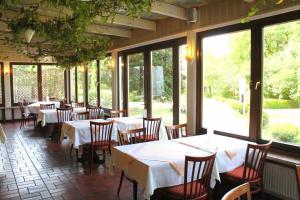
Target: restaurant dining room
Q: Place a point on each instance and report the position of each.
(150, 99)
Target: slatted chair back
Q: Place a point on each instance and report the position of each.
(101, 133)
(118, 113)
(176, 131)
(64, 114)
(132, 136)
(255, 160)
(21, 105)
(83, 115)
(79, 105)
(238, 192)
(298, 177)
(197, 176)
(94, 112)
(50, 106)
(152, 126)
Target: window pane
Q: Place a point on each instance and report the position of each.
(73, 84)
(105, 83)
(25, 83)
(136, 84)
(92, 83)
(162, 84)
(53, 82)
(281, 81)
(226, 75)
(80, 83)
(183, 84)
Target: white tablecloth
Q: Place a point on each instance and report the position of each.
(50, 116)
(126, 123)
(35, 107)
(155, 170)
(79, 131)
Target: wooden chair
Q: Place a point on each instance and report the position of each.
(63, 115)
(298, 177)
(252, 169)
(94, 112)
(176, 131)
(197, 175)
(117, 113)
(100, 139)
(50, 106)
(152, 126)
(79, 105)
(130, 137)
(25, 117)
(238, 192)
(83, 115)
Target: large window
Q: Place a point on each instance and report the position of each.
(226, 78)
(162, 84)
(106, 83)
(281, 82)
(25, 82)
(183, 83)
(136, 84)
(92, 83)
(53, 82)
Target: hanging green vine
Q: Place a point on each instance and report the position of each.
(64, 37)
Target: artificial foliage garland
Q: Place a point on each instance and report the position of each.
(64, 36)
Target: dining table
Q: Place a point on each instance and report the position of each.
(50, 116)
(160, 163)
(35, 107)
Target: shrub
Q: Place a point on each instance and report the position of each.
(237, 106)
(280, 104)
(265, 119)
(285, 132)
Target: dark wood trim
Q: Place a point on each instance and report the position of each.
(2, 84)
(40, 82)
(125, 83)
(199, 86)
(65, 84)
(147, 82)
(69, 84)
(98, 83)
(76, 84)
(176, 84)
(86, 85)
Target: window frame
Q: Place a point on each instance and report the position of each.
(2, 84)
(256, 27)
(39, 79)
(146, 50)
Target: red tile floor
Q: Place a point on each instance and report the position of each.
(34, 167)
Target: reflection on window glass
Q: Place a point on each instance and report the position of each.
(281, 81)
(162, 84)
(53, 82)
(25, 83)
(92, 83)
(136, 84)
(80, 83)
(226, 75)
(183, 84)
(105, 83)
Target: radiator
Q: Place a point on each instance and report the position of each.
(280, 181)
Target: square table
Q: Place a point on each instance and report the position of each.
(50, 116)
(35, 107)
(160, 163)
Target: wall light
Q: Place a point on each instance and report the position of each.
(6, 70)
(82, 69)
(188, 53)
(110, 64)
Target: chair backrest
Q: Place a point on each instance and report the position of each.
(64, 114)
(101, 132)
(47, 106)
(238, 192)
(298, 177)
(131, 136)
(197, 175)
(62, 104)
(152, 126)
(83, 115)
(176, 131)
(21, 105)
(94, 112)
(79, 105)
(118, 113)
(255, 160)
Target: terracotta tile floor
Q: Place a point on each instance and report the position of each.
(33, 167)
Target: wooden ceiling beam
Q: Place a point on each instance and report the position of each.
(169, 10)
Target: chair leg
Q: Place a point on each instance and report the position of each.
(135, 190)
(76, 150)
(91, 160)
(71, 150)
(121, 180)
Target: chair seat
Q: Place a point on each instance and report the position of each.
(102, 145)
(149, 137)
(177, 192)
(238, 174)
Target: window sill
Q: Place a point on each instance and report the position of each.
(283, 159)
